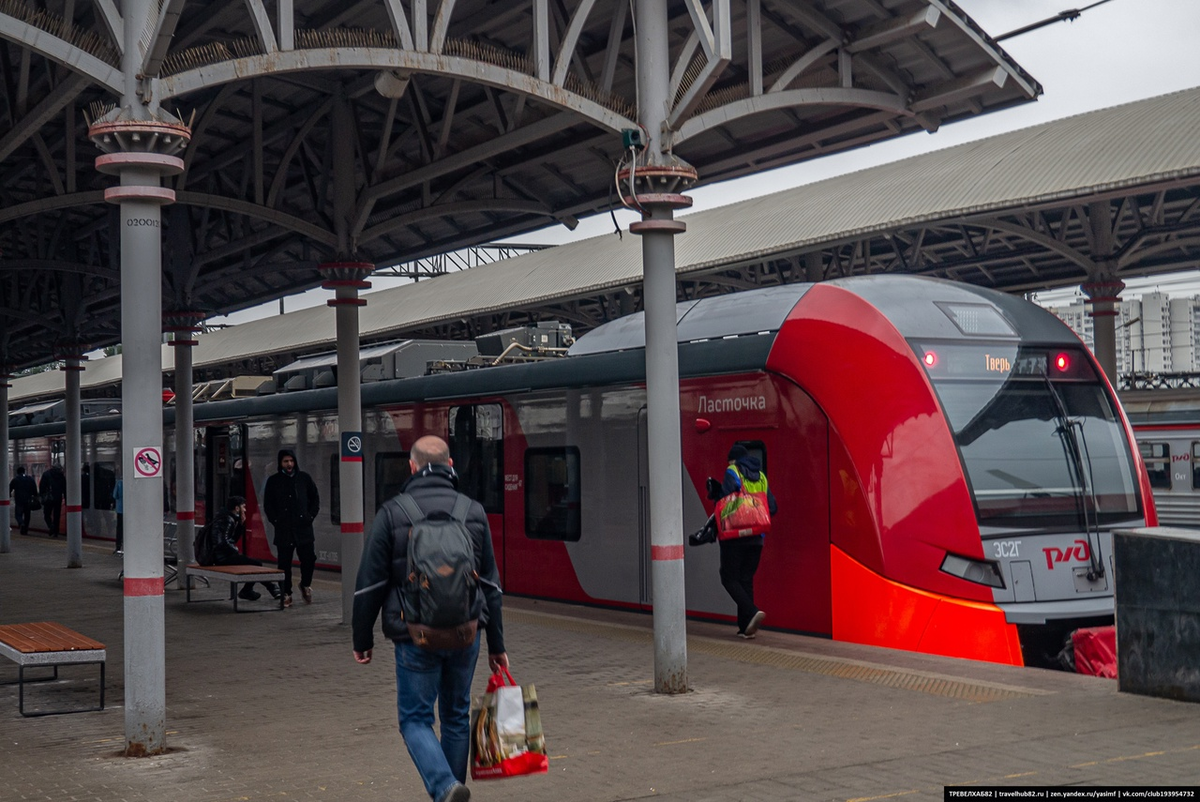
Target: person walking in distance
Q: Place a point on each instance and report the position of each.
(740, 555)
(427, 676)
(227, 528)
(291, 503)
(24, 493)
(53, 487)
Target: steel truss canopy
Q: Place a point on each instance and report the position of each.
(1108, 195)
(388, 131)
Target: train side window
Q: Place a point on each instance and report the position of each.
(552, 494)
(1195, 470)
(477, 448)
(335, 488)
(1157, 457)
(391, 472)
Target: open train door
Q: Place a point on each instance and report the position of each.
(225, 474)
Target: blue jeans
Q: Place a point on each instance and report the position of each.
(423, 678)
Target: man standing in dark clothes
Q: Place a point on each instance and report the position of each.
(426, 678)
(53, 486)
(24, 493)
(227, 528)
(291, 504)
(740, 555)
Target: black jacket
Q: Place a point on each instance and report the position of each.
(24, 491)
(53, 484)
(291, 502)
(385, 561)
(224, 533)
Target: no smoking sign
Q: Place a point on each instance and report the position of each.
(147, 462)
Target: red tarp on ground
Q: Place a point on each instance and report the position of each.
(1096, 651)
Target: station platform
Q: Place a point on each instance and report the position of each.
(271, 706)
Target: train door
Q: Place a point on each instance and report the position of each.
(225, 468)
(645, 582)
(476, 440)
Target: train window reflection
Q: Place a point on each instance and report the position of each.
(552, 493)
(1017, 451)
(1157, 457)
(104, 478)
(391, 472)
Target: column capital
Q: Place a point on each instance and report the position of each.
(657, 188)
(148, 146)
(182, 324)
(71, 354)
(1104, 289)
(346, 275)
(1104, 295)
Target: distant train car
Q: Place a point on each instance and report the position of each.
(1166, 424)
(949, 462)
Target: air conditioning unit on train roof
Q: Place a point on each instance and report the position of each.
(546, 336)
(392, 360)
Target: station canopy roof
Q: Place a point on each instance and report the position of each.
(1007, 212)
(368, 130)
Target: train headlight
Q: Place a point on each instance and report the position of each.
(981, 572)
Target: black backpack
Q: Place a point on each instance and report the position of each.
(440, 596)
(202, 545)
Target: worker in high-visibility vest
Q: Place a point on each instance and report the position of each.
(741, 545)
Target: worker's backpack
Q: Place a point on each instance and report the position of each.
(202, 545)
(440, 596)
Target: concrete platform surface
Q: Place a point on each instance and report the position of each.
(273, 707)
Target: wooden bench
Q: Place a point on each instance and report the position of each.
(48, 644)
(233, 574)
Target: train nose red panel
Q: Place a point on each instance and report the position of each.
(867, 608)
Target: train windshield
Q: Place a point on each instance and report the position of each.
(1012, 411)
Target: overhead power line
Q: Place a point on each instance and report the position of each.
(1070, 15)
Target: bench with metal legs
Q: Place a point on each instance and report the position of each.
(46, 643)
(234, 575)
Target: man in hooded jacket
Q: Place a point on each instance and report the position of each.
(291, 504)
(740, 555)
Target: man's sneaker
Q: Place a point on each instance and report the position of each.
(755, 623)
(249, 594)
(307, 594)
(746, 635)
(287, 600)
(273, 589)
(457, 793)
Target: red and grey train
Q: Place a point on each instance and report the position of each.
(949, 462)
(1166, 423)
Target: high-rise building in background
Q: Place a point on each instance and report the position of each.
(1155, 333)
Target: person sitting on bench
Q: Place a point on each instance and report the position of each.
(227, 528)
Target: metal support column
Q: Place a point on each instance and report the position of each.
(346, 279)
(5, 502)
(183, 325)
(140, 143)
(656, 182)
(1104, 288)
(73, 467)
(1104, 297)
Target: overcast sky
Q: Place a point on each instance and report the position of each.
(1121, 51)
